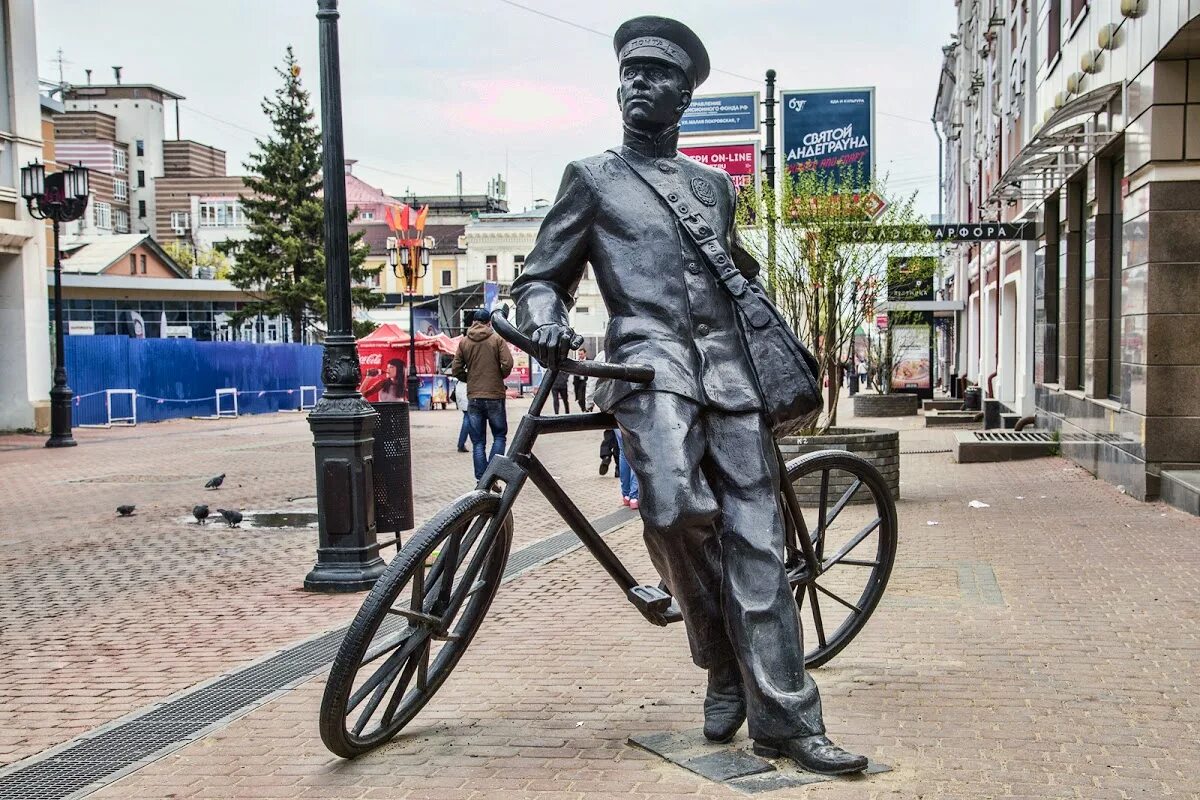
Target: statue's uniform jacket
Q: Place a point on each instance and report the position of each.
(665, 307)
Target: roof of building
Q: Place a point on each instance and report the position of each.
(375, 234)
(513, 219)
(93, 256)
(88, 89)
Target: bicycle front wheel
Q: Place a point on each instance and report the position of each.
(848, 514)
(415, 624)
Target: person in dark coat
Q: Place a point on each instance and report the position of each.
(559, 392)
(696, 435)
(579, 382)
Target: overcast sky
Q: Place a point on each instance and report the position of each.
(431, 87)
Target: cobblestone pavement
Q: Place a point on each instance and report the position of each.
(1076, 674)
(102, 615)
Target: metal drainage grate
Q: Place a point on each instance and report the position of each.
(1033, 437)
(94, 759)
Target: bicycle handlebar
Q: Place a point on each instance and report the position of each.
(633, 373)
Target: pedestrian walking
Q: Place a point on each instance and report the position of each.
(559, 391)
(463, 402)
(483, 360)
(610, 449)
(629, 481)
(862, 372)
(579, 382)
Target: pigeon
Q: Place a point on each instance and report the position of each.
(125, 511)
(200, 513)
(232, 517)
(215, 483)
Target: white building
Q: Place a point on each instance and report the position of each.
(497, 245)
(24, 317)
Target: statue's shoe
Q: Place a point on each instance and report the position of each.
(813, 753)
(724, 703)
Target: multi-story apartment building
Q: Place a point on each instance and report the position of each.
(1082, 117)
(196, 203)
(24, 319)
(129, 120)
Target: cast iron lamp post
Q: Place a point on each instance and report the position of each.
(412, 256)
(59, 197)
(343, 424)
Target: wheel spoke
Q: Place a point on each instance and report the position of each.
(402, 636)
(398, 692)
(841, 503)
(386, 671)
(819, 538)
(449, 556)
(817, 622)
(853, 543)
(846, 603)
(423, 667)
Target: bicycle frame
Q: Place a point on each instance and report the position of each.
(519, 463)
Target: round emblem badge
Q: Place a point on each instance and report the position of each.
(704, 191)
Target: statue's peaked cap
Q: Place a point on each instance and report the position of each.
(666, 40)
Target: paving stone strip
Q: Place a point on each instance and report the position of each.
(99, 757)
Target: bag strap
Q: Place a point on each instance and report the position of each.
(706, 239)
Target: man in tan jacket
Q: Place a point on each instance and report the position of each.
(483, 360)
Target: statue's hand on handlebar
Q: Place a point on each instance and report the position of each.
(552, 344)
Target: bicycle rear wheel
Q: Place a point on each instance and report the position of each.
(849, 515)
(415, 624)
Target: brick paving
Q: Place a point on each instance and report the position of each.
(1045, 646)
(102, 615)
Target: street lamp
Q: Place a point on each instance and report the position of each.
(343, 424)
(410, 256)
(59, 197)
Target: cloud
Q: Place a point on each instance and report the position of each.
(503, 106)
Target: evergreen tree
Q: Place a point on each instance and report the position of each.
(282, 264)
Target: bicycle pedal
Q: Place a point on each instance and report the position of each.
(652, 601)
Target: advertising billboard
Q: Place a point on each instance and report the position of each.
(739, 160)
(830, 132)
(721, 113)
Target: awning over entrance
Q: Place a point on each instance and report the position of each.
(1060, 147)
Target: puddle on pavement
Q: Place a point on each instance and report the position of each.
(279, 519)
(261, 520)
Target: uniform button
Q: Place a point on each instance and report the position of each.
(703, 329)
(693, 268)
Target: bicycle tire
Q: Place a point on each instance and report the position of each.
(340, 737)
(874, 581)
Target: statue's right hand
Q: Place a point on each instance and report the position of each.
(552, 343)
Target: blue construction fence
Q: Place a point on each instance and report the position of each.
(176, 378)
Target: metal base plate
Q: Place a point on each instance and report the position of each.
(733, 764)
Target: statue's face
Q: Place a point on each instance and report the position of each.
(653, 95)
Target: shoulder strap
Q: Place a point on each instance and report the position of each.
(706, 238)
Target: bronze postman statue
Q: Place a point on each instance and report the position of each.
(697, 436)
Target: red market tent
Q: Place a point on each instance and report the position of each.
(383, 360)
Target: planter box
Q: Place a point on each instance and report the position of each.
(880, 446)
(886, 405)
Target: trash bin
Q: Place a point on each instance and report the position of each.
(972, 399)
(393, 469)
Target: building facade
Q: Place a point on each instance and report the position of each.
(24, 323)
(497, 245)
(1082, 117)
